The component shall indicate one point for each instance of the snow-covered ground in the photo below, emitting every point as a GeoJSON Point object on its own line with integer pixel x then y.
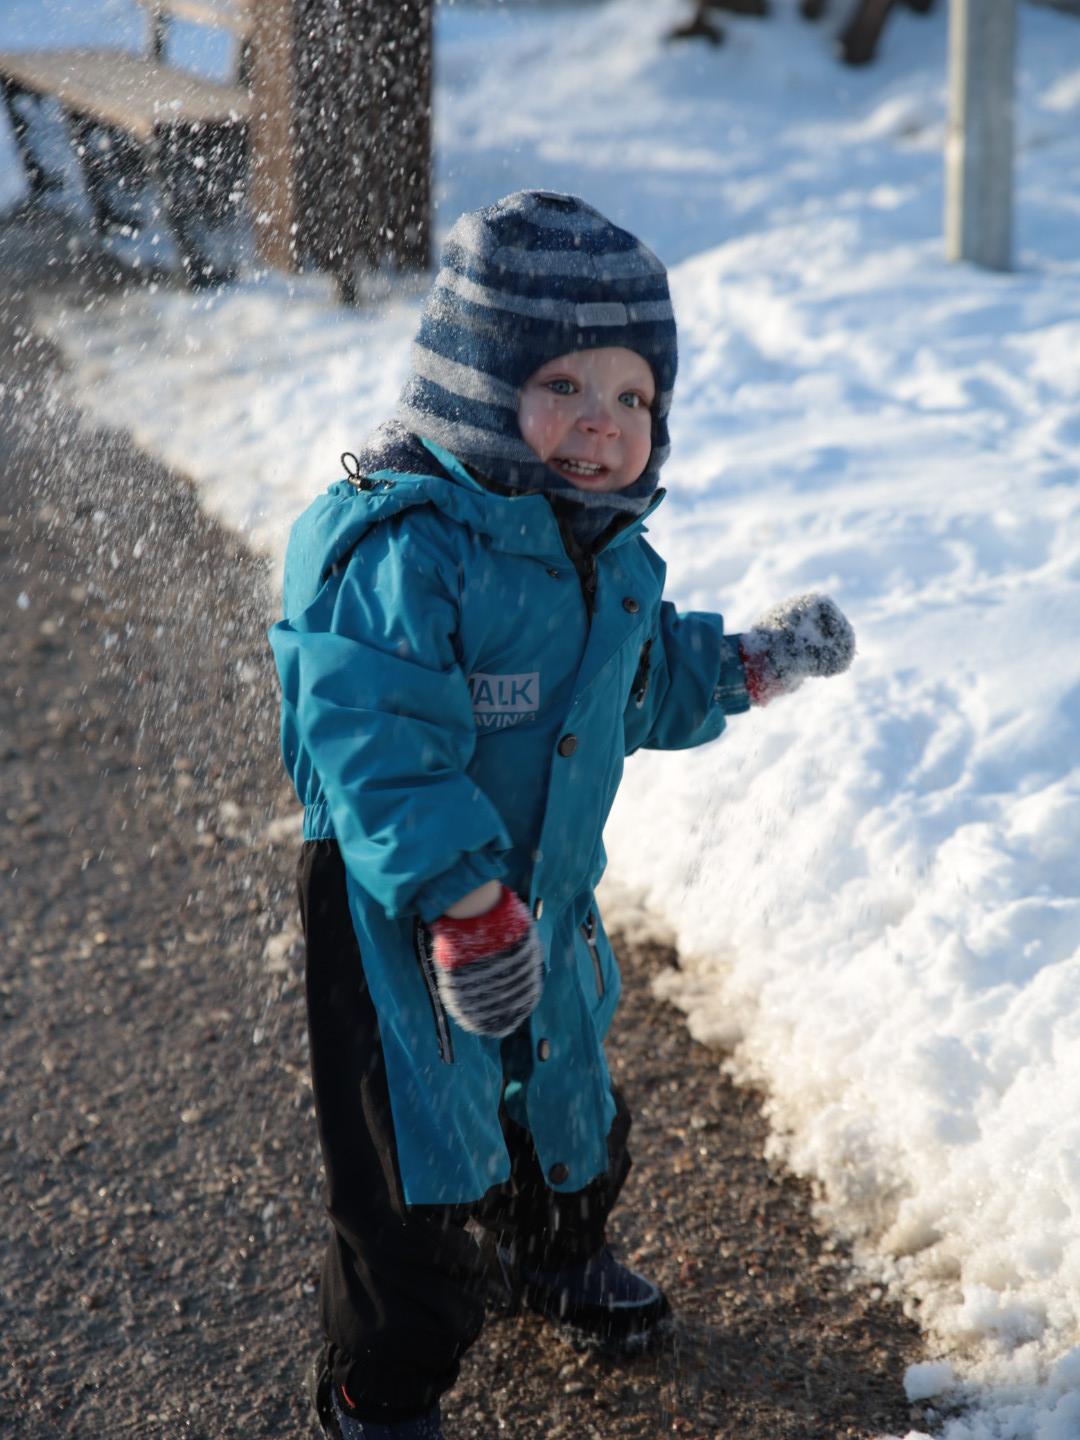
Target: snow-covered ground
{"type": "Point", "coordinates": [875, 885]}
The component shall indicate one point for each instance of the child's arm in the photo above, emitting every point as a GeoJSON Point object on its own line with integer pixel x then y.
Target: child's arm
{"type": "Point", "coordinates": [690, 678]}
{"type": "Point", "coordinates": [695, 675]}
{"type": "Point", "coordinates": [377, 717]}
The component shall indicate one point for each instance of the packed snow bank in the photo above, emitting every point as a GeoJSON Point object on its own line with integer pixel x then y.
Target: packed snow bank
{"type": "Point", "coordinates": [874, 884]}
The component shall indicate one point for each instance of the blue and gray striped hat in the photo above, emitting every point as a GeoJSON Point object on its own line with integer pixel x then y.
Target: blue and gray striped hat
{"type": "Point", "coordinates": [534, 276]}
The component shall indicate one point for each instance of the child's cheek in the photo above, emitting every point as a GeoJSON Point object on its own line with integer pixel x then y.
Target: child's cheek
{"type": "Point", "coordinates": [537, 421]}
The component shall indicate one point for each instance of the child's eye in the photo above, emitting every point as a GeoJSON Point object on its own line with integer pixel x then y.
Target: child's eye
{"type": "Point", "coordinates": [561, 387]}
{"type": "Point", "coordinates": [631, 399]}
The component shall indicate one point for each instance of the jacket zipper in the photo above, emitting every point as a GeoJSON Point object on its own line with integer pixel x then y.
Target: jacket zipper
{"type": "Point", "coordinates": [641, 679]}
{"type": "Point", "coordinates": [422, 946]}
{"type": "Point", "coordinates": [588, 586]}
{"type": "Point", "coordinates": [589, 931]}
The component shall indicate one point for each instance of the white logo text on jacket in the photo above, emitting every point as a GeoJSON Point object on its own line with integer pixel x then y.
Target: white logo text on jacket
{"type": "Point", "coordinates": [502, 700]}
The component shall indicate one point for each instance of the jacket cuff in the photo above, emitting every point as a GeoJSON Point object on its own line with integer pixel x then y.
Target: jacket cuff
{"type": "Point", "coordinates": [731, 693]}
{"type": "Point", "coordinates": [470, 872]}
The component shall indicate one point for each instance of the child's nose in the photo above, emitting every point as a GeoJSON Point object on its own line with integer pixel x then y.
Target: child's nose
{"type": "Point", "coordinates": [599, 420]}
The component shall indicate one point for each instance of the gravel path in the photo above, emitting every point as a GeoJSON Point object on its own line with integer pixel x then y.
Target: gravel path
{"type": "Point", "coordinates": [162, 1226]}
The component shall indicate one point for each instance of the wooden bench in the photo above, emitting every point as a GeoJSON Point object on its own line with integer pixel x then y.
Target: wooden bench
{"type": "Point", "coordinates": [150, 137]}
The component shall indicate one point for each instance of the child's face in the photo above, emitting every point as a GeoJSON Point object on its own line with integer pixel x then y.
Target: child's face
{"type": "Point", "coordinates": [587, 415]}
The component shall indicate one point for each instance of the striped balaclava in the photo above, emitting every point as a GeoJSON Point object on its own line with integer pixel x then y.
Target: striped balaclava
{"type": "Point", "coordinates": [531, 277]}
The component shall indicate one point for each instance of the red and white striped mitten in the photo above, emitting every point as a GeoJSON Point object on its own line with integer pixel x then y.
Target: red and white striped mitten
{"type": "Point", "coordinates": [490, 967]}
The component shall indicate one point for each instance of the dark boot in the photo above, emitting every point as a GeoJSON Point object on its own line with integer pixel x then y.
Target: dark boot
{"type": "Point", "coordinates": [600, 1298]}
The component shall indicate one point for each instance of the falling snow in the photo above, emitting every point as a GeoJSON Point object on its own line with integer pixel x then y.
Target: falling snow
{"type": "Point", "coordinates": [873, 883]}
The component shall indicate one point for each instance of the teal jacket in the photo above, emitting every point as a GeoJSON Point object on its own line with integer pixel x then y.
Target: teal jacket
{"type": "Point", "coordinates": [453, 713]}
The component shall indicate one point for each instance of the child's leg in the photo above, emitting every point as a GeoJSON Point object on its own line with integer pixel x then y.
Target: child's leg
{"type": "Point", "coordinates": [401, 1297]}
{"type": "Point", "coordinates": [545, 1227]}
{"type": "Point", "coordinates": [554, 1253]}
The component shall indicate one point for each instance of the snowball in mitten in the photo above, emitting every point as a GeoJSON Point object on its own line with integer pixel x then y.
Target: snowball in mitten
{"type": "Point", "coordinates": [489, 968]}
{"type": "Point", "coordinates": [806, 635]}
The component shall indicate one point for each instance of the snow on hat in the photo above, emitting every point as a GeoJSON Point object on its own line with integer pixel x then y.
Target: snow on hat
{"type": "Point", "coordinates": [531, 277]}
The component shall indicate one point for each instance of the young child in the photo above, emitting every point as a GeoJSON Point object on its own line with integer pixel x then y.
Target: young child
{"type": "Point", "coordinates": [474, 639]}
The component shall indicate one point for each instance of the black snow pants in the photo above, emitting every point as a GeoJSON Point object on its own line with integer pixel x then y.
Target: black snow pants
{"type": "Point", "coordinates": [403, 1288]}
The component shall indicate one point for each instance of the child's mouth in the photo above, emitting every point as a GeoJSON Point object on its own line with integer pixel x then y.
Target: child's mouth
{"type": "Point", "coordinates": [579, 469]}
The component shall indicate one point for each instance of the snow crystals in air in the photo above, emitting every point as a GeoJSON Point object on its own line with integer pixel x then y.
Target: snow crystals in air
{"type": "Point", "coordinates": [873, 883]}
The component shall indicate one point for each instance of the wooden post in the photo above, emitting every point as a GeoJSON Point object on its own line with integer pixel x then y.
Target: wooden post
{"type": "Point", "coordinates": [341, 142]}
{"type": "Point", "coordinates": [272, 184]}
{"type": "Point", "coordinates": [979, 148]}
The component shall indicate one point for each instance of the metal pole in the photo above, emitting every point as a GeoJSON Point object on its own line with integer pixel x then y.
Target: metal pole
{"type": "Point", "coordinates": [979, 148]}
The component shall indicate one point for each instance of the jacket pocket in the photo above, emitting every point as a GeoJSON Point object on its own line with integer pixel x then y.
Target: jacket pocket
{"type": "Point", "coordinates": [426, 961]}
{"type": "Point", "coordinates": [640, 688]}
{"type": "Point", "coordinates": [588, 930]}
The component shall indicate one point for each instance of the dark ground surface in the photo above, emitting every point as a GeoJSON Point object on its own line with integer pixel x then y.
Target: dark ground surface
{"type": "Point", "coordinates": [158, 1165]}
